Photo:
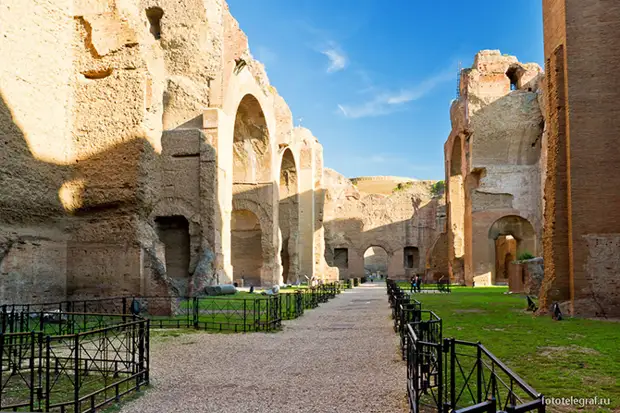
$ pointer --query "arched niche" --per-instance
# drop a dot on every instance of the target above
(251, 143)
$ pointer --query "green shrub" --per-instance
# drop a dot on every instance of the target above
(525, 256)
(402, 186)
(438, 188)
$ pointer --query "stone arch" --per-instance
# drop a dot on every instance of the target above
(288, 216)
(289, 164)
(176, 206)
(251, 143)
(379, 244)
(512, 73)
(509, 236)
(456, 157)
(267, 249)
(376, 260)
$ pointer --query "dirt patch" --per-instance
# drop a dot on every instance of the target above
(598, 381)
(560, 350)
(494, 329)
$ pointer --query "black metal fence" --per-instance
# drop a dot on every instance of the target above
(293, 305)
(206, 313)
(74, 372)
(449, 375)
(442, 286)
(215, 313)
(77, 356)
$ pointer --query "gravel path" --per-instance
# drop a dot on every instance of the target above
(340, 357)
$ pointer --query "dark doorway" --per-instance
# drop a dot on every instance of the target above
(341, 258)
(173, 232)
(412, 257)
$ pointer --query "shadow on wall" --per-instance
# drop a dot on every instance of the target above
(346, 241)
(94, 227)
(270, 241)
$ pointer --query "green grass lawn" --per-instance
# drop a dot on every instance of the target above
(572, 357)
(15, 391)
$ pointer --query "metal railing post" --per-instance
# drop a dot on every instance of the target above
(479, 372)
(440, 381)
(148, 350)
(124, 309)
(245, 315)
(3, 319)
(452, 373)
(141, 347)
(31, 362)
(76, 372)
(195, 311)
(48, 341)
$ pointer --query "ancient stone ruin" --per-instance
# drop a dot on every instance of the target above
(518, 187)
(145, 152)
(493, 168)
(382, 224)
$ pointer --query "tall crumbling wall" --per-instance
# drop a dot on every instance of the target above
(493, 171)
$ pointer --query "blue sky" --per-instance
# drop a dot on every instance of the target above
(374, 82)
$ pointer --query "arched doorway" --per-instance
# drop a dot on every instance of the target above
(375, 261)
(251, 147)
(510, 237)
(289, 218)
(246, 247)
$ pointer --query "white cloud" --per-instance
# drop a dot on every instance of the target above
(388, 102)
(337, 58)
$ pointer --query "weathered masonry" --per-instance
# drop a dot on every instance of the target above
(384, 225)
(528, 165)
(581, 234)
(493, 168)
(145, 152)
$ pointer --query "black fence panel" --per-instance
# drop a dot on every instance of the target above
(78, 372)
(448, 375)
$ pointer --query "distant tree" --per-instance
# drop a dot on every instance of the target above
(402, 186)
(438, 188)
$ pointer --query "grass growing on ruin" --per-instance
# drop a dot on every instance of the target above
(573, 357)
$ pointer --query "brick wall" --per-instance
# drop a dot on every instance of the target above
(582, 191)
